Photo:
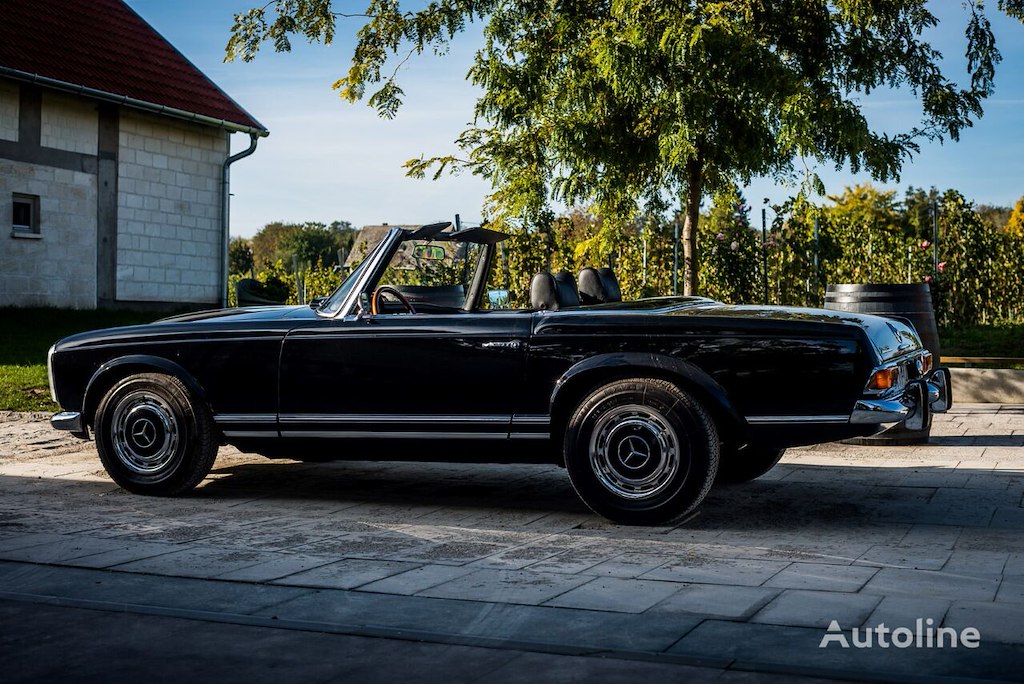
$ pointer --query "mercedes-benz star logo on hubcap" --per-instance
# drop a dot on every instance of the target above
(634, 452)
(144, 433)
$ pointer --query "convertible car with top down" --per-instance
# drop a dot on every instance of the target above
(645, 403)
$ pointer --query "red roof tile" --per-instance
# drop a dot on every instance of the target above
(103, 44)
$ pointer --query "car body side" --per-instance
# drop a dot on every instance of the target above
(768, 375)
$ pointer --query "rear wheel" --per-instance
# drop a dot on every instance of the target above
(153, 436)
(641, 451)
(748, 463)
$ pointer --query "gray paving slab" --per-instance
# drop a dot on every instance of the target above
(1001, 622)
(821, 576)
(507, 586)
(913, 557)
(123, 588)
(799, 647)
(197, 562)
(890, 581)
(123, 552)
(276, 567)
(616, 594)
(801, 608)
(739, 572)
(977, 563)
(904, 611)
(629, 565)
(345, 574)
(416, 580)
(1011, 589)
(715, 600)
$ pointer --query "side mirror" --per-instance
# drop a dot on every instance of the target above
(363, 306)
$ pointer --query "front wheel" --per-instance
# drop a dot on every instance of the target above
(153, 436)
(641, 451)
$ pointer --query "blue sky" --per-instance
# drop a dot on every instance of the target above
(328, 160)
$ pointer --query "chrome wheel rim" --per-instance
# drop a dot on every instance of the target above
(145, 432)
(634, 452)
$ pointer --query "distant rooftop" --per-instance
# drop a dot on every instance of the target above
(105, 46)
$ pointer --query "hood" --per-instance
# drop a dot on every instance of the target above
(244, 314)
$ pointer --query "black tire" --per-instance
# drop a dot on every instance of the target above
(153, 436)
(641, 451)
(748, 463)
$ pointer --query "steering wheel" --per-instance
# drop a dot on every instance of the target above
(388, 290)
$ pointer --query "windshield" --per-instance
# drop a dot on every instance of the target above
(335, 301)
(434, 275)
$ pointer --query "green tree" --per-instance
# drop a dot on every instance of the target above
(626, 102)
(1015, 223)
(239, 256)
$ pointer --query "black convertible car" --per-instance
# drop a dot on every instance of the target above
(645, 402)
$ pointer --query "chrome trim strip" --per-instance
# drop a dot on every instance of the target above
(245, 418)
(529, 435)
(383, 249)
(392, 434)
(786, 420)
(389, 418)
(49, 373)
(250, 433)
(67, 420)
(531, 420)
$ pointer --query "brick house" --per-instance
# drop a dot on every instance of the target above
(114, 162)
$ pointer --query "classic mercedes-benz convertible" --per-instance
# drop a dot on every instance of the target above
(646, 403)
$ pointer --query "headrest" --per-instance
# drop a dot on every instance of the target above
(553, 292)
(599, 285)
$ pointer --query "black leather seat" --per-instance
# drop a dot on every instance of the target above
(553, 291)
(599, 285)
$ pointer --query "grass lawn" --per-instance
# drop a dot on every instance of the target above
(25, 337)
(1004, 339)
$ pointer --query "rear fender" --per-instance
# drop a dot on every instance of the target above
(597, 370)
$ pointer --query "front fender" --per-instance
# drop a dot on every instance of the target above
(115, 369)
(591, 371)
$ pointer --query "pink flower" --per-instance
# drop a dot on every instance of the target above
(734, 246)
(942, 266)
(925, 244)
(720, 236)
(928, 279)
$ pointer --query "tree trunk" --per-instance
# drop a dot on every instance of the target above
(694, 182)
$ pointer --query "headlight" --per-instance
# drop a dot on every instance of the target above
(49, 373)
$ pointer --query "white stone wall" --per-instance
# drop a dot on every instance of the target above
(169, 242)
(69, 123)
(59, 268)
(9, 99)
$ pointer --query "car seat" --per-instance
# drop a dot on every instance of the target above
(598, 286)
(553, 291)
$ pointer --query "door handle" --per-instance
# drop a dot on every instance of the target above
(511, 344)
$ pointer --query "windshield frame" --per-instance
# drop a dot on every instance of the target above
(367, 271)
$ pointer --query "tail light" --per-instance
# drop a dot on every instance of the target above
(884, 378)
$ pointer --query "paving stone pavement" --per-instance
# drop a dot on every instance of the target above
(861, 535)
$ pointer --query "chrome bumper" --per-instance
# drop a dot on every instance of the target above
(920, 398)
(67, 420)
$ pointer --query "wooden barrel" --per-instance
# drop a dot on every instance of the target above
(908, 302)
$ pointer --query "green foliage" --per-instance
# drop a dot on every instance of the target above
(1015, 223)
(624, 104)
(308, 242)
(731, 269)
(239, 256)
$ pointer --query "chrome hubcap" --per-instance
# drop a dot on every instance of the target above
(634, 452)
(145, 432)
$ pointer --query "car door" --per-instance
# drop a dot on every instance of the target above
(452, 375)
